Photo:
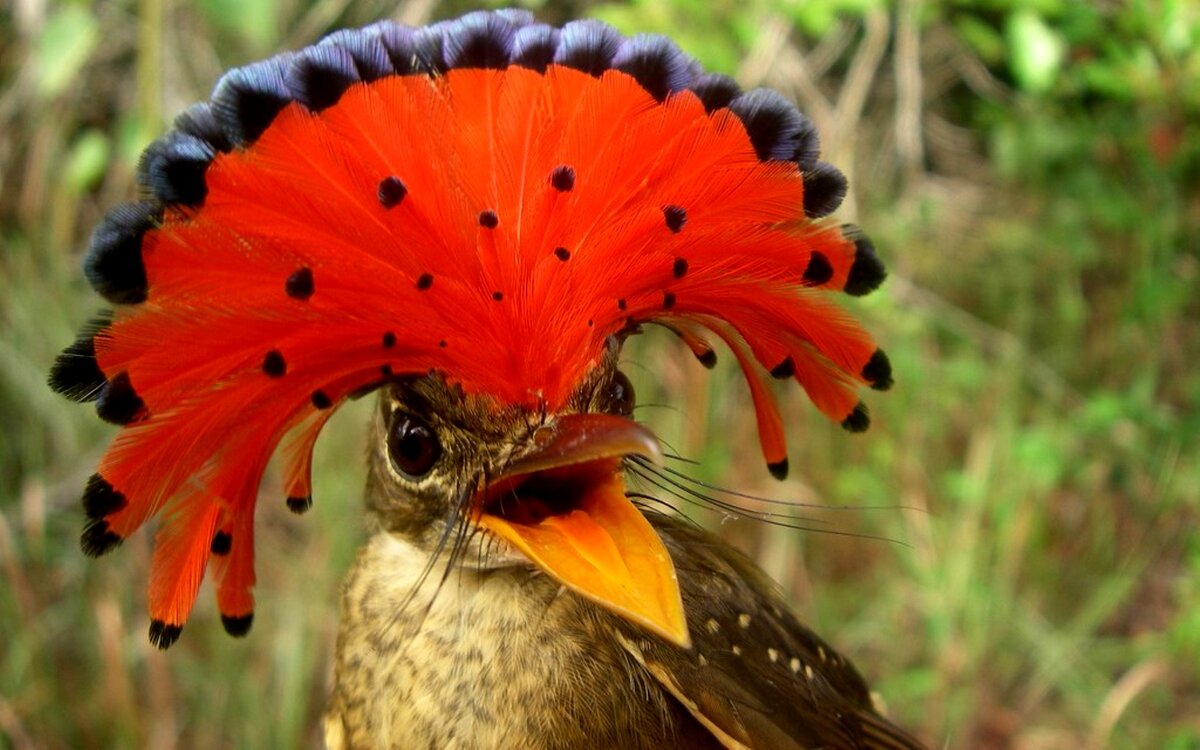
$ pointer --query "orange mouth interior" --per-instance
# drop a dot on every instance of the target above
(575, 523)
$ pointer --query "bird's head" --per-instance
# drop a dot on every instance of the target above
(470, 218)
(526, 486)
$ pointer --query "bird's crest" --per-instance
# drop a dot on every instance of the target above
(489, 198)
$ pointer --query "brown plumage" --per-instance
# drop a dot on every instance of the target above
(449, 639)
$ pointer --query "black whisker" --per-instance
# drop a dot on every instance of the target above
(761, 498)
(452, 529)
(701, 500)
(673, 486)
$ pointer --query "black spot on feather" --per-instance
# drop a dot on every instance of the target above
(668, 300)
(299, 505)
(785, 369)
(563, 178)
(819, 270)
(162, 635)
(118, 403)
(318, 76)
(274, 365)
(391, 191)
(424, 281)
(100, 498)
(237, 626)
(300, 284)
(113, 263)
(824, 189)
(389, 339)
(320, 400)
(621, 304)
(498, 296)
(488, 219)
(222, 542)
(878, 371)
(867, 271)
(675, 218)
(173, 167)
(562, 253)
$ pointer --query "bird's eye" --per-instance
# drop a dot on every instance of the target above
(620, 396)
(412, 445)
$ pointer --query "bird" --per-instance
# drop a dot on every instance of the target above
(469, 219)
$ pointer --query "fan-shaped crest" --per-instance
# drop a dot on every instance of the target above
(490, 198)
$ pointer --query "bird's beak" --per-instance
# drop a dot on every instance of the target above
(563, 506)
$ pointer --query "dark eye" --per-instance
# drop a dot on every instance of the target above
(413, 445)
(619, 395)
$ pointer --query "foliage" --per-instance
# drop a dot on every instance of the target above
(1030, 170)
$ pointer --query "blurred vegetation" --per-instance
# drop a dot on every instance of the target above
(1030, 169)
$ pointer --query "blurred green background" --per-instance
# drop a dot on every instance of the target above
(1031, 486)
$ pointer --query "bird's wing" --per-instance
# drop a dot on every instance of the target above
(755, 677)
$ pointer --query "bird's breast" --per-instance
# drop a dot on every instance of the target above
(480, 659)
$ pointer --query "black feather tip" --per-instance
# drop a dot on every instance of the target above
(221, 543)
(785, 369)
(858, 420)
(246, 100)
(118, 403)
(97, 538)
(878, 371)
(318, 76)
(824, 189)
(299, 505)
(113, 263)
(656, 63)
(778, 469)
(173, 167)
(76, 374)
(237, 626)
(101, 499)
(588, 46)
(162, 635)
(867, 271)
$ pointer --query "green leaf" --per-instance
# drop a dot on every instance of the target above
(65, 44)
(257, 22)
(1035, 50)
(88, 161)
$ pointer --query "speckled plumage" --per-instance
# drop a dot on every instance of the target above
(482, 650)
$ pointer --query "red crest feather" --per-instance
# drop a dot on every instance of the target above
(335, 218)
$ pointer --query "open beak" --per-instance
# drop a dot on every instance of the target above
(564, 507)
